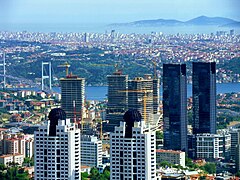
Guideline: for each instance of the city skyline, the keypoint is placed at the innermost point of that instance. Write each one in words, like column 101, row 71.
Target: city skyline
column 106, row 11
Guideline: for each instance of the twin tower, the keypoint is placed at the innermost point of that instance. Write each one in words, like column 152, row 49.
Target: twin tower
column 175, row 102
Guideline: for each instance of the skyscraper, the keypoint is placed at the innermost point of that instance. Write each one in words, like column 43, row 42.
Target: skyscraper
column 204, row 97
column 175, row 106
column 140, row 96
column 132, row 150
column 73, row 94
column 117, row 99
column 57, row 149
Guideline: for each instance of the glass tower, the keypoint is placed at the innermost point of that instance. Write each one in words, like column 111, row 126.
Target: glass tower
column 175, row 106
column 204, row 97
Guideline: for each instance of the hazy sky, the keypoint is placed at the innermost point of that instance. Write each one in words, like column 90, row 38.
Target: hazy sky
column 110, row 11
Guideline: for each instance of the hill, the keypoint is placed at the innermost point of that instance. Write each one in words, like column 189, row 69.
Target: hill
column 201, row 20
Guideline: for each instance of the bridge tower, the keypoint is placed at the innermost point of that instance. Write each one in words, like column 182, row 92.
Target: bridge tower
column 46, row 74
column 3, row 64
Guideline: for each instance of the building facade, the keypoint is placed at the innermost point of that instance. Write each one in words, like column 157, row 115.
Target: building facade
column 204, row 97
column 235, row 141
column 73, row 94
column 173, row 157
column 91, row 151
column 57, row 149
column 212, row 146
column 117, row 99
column 132, row 149
column 175, row 106
column 237, row 158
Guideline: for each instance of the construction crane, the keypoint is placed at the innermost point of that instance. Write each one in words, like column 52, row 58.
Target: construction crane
column 145, row 98
column 66, row 65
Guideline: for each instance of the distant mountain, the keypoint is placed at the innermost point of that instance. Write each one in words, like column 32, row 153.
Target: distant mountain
column 157, row 22
column 201, row 20
column 204, row 20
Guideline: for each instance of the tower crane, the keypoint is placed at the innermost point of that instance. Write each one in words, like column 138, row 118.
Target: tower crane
column 66, row 65
column 145, row 98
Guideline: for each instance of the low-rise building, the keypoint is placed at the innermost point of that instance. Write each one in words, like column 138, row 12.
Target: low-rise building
column 171, row 156
column 212, row 146
column 9, row 158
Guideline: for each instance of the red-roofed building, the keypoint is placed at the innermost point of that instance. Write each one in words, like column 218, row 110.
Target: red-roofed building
column 171, row 156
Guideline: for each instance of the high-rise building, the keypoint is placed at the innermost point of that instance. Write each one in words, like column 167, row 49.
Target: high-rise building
column 57, row 149
column 235, row 140
column 91, row 151
column 237, row 158
column 73, row 94
column 204, row 97
column 86, row 37
column 175, row 106
column 132, row 149
column 140, row 96
column 117, row 99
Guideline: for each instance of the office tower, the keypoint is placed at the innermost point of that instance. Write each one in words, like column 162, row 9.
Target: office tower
column 117, row 99
column 73, row 94
column 113, row 36
column 140, row 96
column 175, row 106
column 132, row 149
column 86, row 37
column 57, row 148
column 204, row 97
column 91, row 151
column 235, row 140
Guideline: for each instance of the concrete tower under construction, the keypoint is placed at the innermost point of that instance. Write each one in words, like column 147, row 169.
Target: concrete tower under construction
column 140, row 96
column 117, row 99
column 73, row 96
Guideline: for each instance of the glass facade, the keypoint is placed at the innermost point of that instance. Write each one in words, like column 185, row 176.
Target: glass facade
column 204, row 97
column 175, row 106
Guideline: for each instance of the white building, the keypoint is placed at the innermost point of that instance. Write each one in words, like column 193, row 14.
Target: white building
column 10, row 158
column 212, row 146
column 57, row 149
column 91, row 151
column 171, row 156
column 132, row 150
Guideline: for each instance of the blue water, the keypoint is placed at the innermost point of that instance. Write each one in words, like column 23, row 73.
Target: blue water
column 100, row 92
column 102, row 28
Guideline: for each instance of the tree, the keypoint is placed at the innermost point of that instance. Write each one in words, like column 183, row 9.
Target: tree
column 106, row 172
column 237, row 174
column 84, row 176
column 95, row 175
column 210, row 168
column 165, row 164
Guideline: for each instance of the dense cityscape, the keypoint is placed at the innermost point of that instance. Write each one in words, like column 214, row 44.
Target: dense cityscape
column 119, row 90
column 204, row 126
